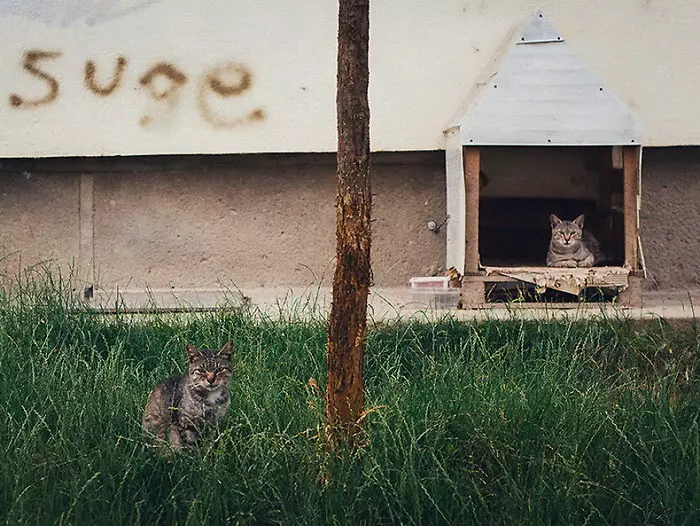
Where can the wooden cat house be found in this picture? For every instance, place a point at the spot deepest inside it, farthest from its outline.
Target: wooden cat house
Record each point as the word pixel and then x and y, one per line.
pixel 541 134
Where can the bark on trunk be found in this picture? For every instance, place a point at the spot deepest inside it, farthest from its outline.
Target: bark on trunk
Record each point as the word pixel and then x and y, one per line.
pixel 351 282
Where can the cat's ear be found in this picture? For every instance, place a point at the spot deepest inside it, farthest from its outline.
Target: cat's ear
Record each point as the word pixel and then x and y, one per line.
pixel 554 220
pixel 579 221
pixel 226 350
pixel 192 352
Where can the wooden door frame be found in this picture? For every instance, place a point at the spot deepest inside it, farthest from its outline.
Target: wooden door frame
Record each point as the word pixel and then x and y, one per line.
pixel 472 168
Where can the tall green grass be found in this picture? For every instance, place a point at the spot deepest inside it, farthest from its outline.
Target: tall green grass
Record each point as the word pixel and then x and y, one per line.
pixel 497 422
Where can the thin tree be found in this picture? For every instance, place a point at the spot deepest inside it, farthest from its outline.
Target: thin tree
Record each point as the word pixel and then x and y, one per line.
pixel 353 274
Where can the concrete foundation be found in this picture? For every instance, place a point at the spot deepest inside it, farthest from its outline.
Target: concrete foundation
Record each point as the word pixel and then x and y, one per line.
pixel 40 219
pixel 670 217
pixel 268 221
pixel 212 222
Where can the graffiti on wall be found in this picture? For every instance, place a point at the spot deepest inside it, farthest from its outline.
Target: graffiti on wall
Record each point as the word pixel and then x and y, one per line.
pixel 93 84
pixel 162 82
pixel 31 66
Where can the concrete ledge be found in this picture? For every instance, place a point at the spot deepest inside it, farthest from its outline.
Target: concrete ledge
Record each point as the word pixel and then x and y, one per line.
pixel 385 304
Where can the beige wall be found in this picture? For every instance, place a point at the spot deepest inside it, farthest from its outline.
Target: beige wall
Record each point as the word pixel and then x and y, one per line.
pixel 40 219
pixel 670 217
pixel 224 221
pixel 204 222
pixel 278 59
pixel 258 221
pixel 249 224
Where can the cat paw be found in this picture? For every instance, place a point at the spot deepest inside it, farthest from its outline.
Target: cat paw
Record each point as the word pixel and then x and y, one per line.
pixel 565 263
pixel 586 263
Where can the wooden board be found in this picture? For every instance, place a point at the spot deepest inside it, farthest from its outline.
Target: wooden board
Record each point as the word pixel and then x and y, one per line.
pixel 570 280
pixel 631 204
pixel 472 163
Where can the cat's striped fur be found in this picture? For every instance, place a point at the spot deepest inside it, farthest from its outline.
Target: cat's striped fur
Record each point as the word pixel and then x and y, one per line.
pixel 570 245
pixel 179 408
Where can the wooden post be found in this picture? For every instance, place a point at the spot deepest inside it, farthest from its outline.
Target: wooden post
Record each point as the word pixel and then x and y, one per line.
pixel 631 192
pixel 472 165
pixel 353 274
pixel 473 292
pixel 632 295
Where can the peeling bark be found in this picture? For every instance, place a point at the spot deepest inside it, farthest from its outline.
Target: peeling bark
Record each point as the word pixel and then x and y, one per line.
pixel 353 275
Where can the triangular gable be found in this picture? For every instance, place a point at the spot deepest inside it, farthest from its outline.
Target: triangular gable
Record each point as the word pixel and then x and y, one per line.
pixel 539 30
pixel 543 94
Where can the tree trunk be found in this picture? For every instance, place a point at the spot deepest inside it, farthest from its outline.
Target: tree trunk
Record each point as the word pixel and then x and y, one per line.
pixel 353 275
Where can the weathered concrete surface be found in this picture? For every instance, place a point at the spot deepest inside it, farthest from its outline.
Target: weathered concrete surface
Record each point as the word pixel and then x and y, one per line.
pixel 259 221
pixel 247 224
pixel 394 303
pixel 180 223
pixel 670 217
pixel 40 219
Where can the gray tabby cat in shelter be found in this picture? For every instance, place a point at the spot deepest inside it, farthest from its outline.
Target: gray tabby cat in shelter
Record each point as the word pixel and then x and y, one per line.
pixel 182 406
pixel 570 245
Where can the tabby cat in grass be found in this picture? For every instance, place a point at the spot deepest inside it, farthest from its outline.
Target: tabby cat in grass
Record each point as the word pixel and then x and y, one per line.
pixel 179 408
pixel 570 245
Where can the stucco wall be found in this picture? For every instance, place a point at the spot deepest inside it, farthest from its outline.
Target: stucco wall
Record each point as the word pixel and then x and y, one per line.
pixel 129 77
pixel 670 217
pixel 40 219
pixel 256 221
pixel 268 220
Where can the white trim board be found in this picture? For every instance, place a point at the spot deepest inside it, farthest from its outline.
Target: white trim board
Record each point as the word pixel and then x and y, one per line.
pixel 456 198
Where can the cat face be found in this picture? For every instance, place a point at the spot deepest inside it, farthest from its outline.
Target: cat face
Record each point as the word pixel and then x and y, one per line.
pixel 209 369
pixel 567 234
